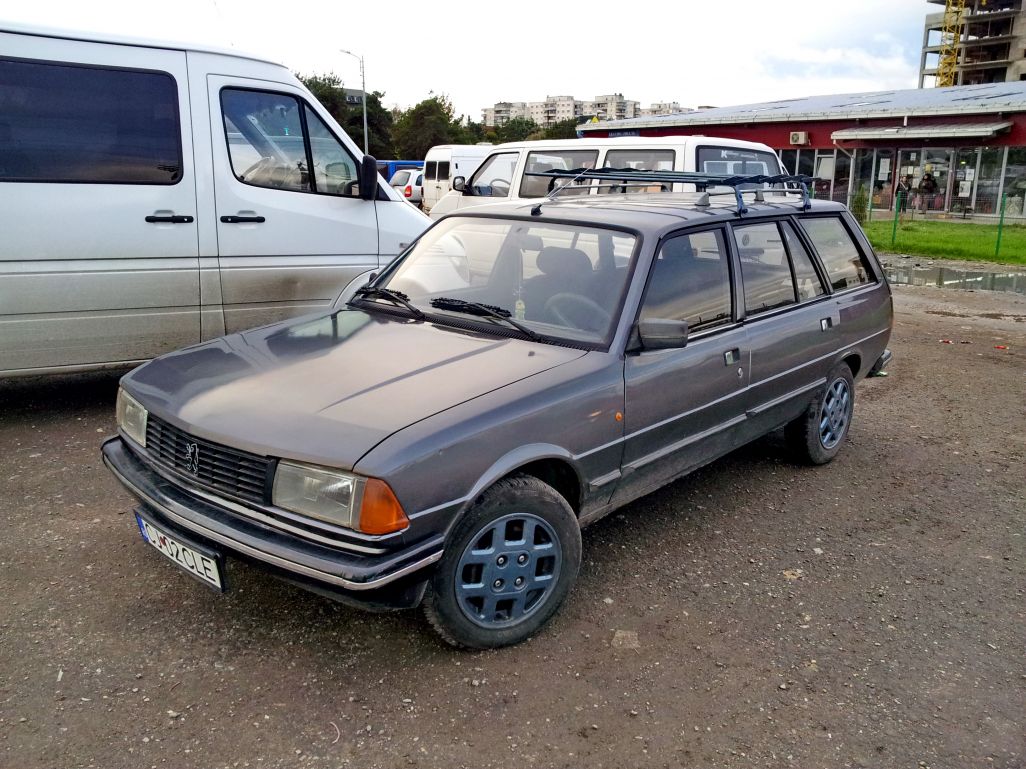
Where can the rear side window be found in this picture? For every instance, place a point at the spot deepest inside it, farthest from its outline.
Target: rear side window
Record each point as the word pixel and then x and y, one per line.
pixel 66 123
pixel 400 178
pixel 805 277
pixel 690 280
pixel 844 263
pixel 639 159
pixel 430 170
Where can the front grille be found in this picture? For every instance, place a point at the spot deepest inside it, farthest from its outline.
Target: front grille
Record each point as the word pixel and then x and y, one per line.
pixel 230 471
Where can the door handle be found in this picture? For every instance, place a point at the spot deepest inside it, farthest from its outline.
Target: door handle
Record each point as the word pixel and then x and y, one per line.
pixel 825 324
pixel 243 219
pixel 169 219
pixel 730 357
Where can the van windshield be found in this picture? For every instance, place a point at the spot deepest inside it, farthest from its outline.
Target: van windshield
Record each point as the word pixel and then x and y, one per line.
pixel 558 280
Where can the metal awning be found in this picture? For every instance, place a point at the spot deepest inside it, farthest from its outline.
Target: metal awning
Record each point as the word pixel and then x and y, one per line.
pixel 947 131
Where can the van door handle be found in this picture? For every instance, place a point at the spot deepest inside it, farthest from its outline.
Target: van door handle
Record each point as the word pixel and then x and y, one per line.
pixel 169 219
pixel 243 219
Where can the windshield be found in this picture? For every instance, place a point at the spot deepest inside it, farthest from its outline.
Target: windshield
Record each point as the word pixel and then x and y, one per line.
pixel 557 280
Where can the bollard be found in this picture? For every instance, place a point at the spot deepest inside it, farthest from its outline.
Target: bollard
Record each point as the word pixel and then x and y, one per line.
pixel 897 212
pixel 1001 225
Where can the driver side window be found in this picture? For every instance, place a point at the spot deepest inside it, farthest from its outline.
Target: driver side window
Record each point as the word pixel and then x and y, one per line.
pixel 492 179
pixel 275 140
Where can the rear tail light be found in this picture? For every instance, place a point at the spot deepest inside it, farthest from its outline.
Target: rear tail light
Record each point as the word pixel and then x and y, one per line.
pixel 408 192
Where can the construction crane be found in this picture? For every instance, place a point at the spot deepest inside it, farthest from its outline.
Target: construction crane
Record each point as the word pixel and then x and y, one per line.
pixel 951 34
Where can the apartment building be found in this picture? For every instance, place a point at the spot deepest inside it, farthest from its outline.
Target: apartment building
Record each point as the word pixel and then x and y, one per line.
pixel 991 46
pixel 555 109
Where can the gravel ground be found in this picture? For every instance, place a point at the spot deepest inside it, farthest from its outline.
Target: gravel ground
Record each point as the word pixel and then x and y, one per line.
pixel 870 613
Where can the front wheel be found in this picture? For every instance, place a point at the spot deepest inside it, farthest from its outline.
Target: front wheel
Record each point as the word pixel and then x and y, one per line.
pixel 817 435
pixel 508 565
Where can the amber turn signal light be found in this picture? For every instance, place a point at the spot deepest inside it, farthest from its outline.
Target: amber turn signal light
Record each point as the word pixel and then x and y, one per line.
pixel 380 511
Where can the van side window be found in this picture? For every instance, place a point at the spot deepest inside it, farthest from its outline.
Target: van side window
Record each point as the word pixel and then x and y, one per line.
pixel 641 159
pixel 275 139
pixel 765 269
pixel 492 179
pixel 690 280
pixel 67 123
pixel 733 160
pixel 805 277
pixel 844 263
pixel 555 160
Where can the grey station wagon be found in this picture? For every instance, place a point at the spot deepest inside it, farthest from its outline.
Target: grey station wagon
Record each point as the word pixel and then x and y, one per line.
pixel 519 372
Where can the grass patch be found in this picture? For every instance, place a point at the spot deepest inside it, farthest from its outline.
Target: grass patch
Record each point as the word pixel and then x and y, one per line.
pixel 951 240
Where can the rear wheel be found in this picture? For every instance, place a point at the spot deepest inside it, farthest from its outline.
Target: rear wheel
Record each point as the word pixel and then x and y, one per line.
pixel 817 435
pixel 508 565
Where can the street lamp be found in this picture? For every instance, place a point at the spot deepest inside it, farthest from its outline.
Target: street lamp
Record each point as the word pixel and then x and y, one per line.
pixel 363 85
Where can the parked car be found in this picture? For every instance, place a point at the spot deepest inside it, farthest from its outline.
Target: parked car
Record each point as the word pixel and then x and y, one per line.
pixel 156 195
pixel 409 183
pixel 442 436
pixel 506 173
pixel 443 162
pixel 387 168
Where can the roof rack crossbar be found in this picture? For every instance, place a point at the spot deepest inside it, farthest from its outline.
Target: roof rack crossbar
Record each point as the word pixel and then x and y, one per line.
pixel 701 181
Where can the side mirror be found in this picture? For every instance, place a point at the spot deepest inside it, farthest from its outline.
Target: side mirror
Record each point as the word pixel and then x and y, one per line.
pixel 459 184
pixel 368 178
pixel 659 334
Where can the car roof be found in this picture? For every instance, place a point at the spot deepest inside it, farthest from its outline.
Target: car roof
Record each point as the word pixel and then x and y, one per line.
pixel 649 212
pixel 630 142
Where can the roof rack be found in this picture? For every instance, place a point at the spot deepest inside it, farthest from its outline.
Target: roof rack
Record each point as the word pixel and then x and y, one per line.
pixel 634 177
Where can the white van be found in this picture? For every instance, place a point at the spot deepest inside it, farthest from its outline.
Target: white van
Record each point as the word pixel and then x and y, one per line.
pixel 502 174
pixel 153 195
pixel 444 162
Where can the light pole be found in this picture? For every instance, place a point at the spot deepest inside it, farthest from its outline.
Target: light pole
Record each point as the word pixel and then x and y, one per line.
pixel 363 85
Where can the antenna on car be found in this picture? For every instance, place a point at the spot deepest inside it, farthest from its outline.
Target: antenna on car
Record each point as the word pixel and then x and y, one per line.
pixel 738 185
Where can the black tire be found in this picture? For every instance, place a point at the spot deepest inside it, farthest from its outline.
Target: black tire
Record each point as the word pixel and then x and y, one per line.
pixel 453 612
pixel 817 435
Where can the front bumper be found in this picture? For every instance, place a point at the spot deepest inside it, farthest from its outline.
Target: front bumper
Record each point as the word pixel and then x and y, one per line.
pixel 393 580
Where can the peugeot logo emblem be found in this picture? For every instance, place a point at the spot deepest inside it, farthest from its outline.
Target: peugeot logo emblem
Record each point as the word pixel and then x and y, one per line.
pixel 192 457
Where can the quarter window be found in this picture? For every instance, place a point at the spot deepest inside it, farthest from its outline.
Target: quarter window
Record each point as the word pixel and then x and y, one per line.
pixel 690 280
pixel 67 123
pixel 334 168
pixel 844 263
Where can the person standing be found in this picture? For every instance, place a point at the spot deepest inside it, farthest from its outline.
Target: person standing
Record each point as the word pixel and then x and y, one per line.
pixel 902 191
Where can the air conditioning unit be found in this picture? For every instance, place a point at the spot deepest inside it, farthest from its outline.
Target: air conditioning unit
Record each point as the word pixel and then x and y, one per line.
pixel 799 137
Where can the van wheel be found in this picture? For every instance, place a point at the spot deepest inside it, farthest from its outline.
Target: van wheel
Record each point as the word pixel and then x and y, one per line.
pixel 508 565
pixel 817 435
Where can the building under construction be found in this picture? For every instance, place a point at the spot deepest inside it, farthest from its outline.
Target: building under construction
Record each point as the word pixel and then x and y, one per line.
pixel 973 42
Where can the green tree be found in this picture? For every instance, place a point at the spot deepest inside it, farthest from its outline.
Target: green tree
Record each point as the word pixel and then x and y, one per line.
pixel 329 92
pixel 424 125
pixel 516 129
pixel 379 125
pixel 564 129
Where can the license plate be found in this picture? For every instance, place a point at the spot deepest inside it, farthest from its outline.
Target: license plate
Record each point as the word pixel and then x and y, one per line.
pixel 202 563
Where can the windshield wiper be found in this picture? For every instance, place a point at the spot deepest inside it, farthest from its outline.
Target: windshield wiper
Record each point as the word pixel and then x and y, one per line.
pixel 395 297
pixel 483 311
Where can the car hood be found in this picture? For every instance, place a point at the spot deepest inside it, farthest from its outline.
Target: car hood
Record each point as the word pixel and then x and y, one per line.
pixel 329 388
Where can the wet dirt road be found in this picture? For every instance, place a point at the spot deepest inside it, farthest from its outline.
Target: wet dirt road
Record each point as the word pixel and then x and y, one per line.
pixel 870 613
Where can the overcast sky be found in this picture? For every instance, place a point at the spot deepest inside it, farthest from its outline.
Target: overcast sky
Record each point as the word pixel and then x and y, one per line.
pixel 694 53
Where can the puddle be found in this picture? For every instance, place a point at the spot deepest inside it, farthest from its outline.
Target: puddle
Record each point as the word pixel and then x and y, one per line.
pixel 946 277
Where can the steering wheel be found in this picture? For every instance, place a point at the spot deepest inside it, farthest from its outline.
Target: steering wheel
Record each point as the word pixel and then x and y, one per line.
pixel 502 186
pixel 269 172
pixel 576 311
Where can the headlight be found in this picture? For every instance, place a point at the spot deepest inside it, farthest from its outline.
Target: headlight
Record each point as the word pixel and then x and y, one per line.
pixel 131 417
pixel 334 496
